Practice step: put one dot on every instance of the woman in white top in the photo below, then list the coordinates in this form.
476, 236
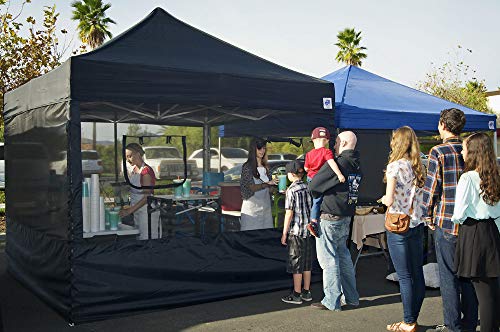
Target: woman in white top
255, 183
405, 178
477, 207
141, 175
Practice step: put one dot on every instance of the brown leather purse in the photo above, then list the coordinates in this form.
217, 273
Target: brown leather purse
398, 223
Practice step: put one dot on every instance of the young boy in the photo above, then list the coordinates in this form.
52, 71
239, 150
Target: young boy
315, 159
298, 204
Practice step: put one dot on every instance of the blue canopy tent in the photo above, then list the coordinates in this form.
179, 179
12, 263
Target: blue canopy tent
372, 106
367, 101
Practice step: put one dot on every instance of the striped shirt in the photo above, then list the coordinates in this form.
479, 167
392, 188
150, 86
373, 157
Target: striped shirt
299, 200
444, 169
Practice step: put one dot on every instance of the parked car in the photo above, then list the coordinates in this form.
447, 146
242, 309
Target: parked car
91, 162
275, 167
230, 157
281, 156
167, 163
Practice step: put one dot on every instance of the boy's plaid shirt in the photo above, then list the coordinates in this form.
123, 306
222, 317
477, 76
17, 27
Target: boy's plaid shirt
299, 200
444, 169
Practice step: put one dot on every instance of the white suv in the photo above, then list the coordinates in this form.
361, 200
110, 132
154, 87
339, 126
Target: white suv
167, 163
91, 162
230, 157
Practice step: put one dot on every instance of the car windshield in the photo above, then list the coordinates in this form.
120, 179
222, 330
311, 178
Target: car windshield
273, 157
157, 153
233, 153
90, 155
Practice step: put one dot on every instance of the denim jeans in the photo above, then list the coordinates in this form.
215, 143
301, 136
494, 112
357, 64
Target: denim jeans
407, 256
452, 287
316, 208
335, 260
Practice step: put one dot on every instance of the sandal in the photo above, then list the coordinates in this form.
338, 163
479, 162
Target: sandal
396, 327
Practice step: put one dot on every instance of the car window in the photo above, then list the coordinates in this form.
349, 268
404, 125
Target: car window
273, 157
232, 153
290, 156
198, 155
158, 153
213, 153
90, 155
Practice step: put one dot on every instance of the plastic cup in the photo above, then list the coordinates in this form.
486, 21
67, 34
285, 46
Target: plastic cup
85, 189
282, 183
178, 189
114, 219
186, 188
107, 221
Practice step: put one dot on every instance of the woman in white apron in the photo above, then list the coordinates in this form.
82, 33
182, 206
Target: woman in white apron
141, 175
255, 183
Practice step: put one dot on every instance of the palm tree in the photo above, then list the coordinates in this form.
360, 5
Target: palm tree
93, 26
93, 29
350, 51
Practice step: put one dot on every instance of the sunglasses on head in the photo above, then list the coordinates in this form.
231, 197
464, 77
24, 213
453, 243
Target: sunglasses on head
260, 145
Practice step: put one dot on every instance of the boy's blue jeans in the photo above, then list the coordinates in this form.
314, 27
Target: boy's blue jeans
452, 287
335, 260
316, 207
407, 256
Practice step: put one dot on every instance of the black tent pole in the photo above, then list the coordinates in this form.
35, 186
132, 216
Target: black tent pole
115, 125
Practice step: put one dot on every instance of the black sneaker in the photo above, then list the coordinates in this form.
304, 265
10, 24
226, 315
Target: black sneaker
292, 299
306, 295
313, 228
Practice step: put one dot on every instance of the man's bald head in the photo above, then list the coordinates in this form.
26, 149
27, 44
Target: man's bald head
346, 140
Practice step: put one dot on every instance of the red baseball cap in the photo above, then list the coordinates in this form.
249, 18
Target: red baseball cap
320, 132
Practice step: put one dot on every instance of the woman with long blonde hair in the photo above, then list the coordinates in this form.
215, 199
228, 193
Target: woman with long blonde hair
405, 178
477, 207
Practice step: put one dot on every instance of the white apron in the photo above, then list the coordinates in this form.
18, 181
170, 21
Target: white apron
141, 215
256, 211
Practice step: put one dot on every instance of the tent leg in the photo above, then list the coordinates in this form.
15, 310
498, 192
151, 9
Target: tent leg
206, 147
220, 154
115, 127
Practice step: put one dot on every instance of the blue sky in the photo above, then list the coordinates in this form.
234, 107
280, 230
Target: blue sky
403, 37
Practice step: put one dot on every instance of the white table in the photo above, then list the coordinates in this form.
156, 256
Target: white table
366, 225
373, 226
122, 230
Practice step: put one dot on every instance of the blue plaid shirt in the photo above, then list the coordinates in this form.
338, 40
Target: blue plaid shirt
444, 169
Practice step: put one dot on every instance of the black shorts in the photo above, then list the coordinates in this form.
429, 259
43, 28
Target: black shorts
300, 254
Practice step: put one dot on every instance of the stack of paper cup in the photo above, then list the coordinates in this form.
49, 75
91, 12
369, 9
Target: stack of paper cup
86, 206
94, 203
102, 214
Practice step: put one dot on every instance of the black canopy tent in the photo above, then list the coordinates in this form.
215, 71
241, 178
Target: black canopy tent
161, 71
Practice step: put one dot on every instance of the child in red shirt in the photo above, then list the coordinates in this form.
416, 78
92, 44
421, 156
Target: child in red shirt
315, 159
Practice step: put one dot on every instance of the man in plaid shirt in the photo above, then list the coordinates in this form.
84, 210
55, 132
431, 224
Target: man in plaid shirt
444, 169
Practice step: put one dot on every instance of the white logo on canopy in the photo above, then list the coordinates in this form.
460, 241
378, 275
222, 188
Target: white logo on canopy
327, 103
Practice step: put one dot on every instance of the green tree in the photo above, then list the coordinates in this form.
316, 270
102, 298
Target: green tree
26, 52
93, 24
455, 81
350, 52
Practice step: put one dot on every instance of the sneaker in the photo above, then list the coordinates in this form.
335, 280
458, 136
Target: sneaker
441, 328
306, 295
343, 303
292, 299
313, 228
